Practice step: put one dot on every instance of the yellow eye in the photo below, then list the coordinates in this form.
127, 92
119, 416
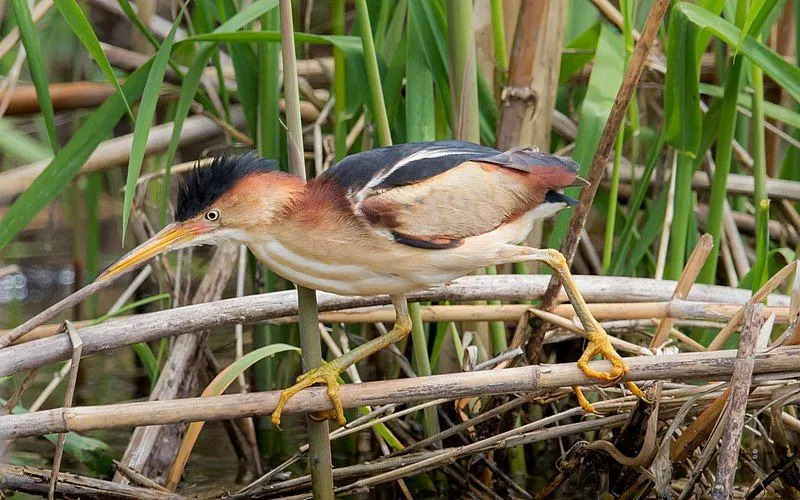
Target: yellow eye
212, 215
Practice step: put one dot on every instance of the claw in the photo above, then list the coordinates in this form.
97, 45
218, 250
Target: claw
602, 345
325, 374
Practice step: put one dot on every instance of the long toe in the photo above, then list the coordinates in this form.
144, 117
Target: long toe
325, 374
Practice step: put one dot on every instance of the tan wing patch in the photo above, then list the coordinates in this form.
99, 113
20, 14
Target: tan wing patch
468, 200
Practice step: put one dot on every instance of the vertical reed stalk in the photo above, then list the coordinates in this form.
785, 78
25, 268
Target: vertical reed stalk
628, 8
319, 457
760, 200
463, 77
420, 126
727, 128
499, 39
268, 143
760, 272
373, 75
339, 81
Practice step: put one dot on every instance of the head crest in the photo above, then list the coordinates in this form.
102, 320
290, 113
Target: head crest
201, 187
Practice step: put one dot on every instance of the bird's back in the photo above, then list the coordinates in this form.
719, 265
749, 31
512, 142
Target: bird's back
435, 194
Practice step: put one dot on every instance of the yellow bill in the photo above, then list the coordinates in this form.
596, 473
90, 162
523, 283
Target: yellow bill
173, 236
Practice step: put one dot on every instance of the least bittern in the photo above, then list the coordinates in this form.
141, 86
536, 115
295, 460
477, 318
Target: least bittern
386, 221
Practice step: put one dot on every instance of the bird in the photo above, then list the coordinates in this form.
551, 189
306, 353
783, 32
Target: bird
390, 221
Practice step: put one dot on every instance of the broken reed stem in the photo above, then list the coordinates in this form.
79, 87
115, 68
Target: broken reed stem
615, 117
693, 266
35, 480
740, 391
77, 347
319, 457
685, 366
759, 296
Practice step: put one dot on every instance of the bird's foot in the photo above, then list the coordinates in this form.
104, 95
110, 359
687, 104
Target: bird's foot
600, 343
327, 374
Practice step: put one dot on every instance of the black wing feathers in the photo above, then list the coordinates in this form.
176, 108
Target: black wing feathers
378, 168
424, 160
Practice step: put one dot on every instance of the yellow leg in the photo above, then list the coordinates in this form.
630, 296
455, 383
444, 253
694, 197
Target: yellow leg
328, 373
599, 342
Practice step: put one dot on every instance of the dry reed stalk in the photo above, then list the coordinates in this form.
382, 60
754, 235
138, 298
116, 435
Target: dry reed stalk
124, 331
65, 96
740, 391
711, 365
759, 296
688, 276
11, 39
675, 309
610, 131
159, 25
77, 347
746, 223
34, 480
115, 151
138, 479
737, 184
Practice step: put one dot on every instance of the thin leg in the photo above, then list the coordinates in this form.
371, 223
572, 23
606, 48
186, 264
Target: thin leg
599, 342
328, 373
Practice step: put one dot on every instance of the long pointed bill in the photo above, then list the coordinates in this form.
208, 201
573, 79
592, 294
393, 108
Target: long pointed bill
173, 236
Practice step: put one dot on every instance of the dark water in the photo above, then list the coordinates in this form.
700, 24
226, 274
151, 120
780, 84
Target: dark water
119, 377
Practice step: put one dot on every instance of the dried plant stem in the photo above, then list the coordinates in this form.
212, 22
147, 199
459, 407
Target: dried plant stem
618, 110
124, 331
35, 480
693, 266
675, 309
768, 287
113, 152
684, 366
665, 232
740, 391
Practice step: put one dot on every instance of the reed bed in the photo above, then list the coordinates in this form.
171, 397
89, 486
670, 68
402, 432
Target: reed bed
683, 116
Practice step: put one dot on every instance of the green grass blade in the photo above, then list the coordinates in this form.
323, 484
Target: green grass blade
245, 67
724, 150
653, 225
339, 81
760, 269
71, 157
36, 65
604, 83
378, 106
77, 21
784, 73
21, 146
148, 359
350, 44
137, 21
147, 110
192, 79
215, 388
684, 125
579, 52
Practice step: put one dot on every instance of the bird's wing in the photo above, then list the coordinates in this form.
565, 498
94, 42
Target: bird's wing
435, 194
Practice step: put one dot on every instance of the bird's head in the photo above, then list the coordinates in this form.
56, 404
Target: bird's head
229, 200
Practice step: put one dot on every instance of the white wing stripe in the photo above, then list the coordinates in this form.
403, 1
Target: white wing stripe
422, 154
